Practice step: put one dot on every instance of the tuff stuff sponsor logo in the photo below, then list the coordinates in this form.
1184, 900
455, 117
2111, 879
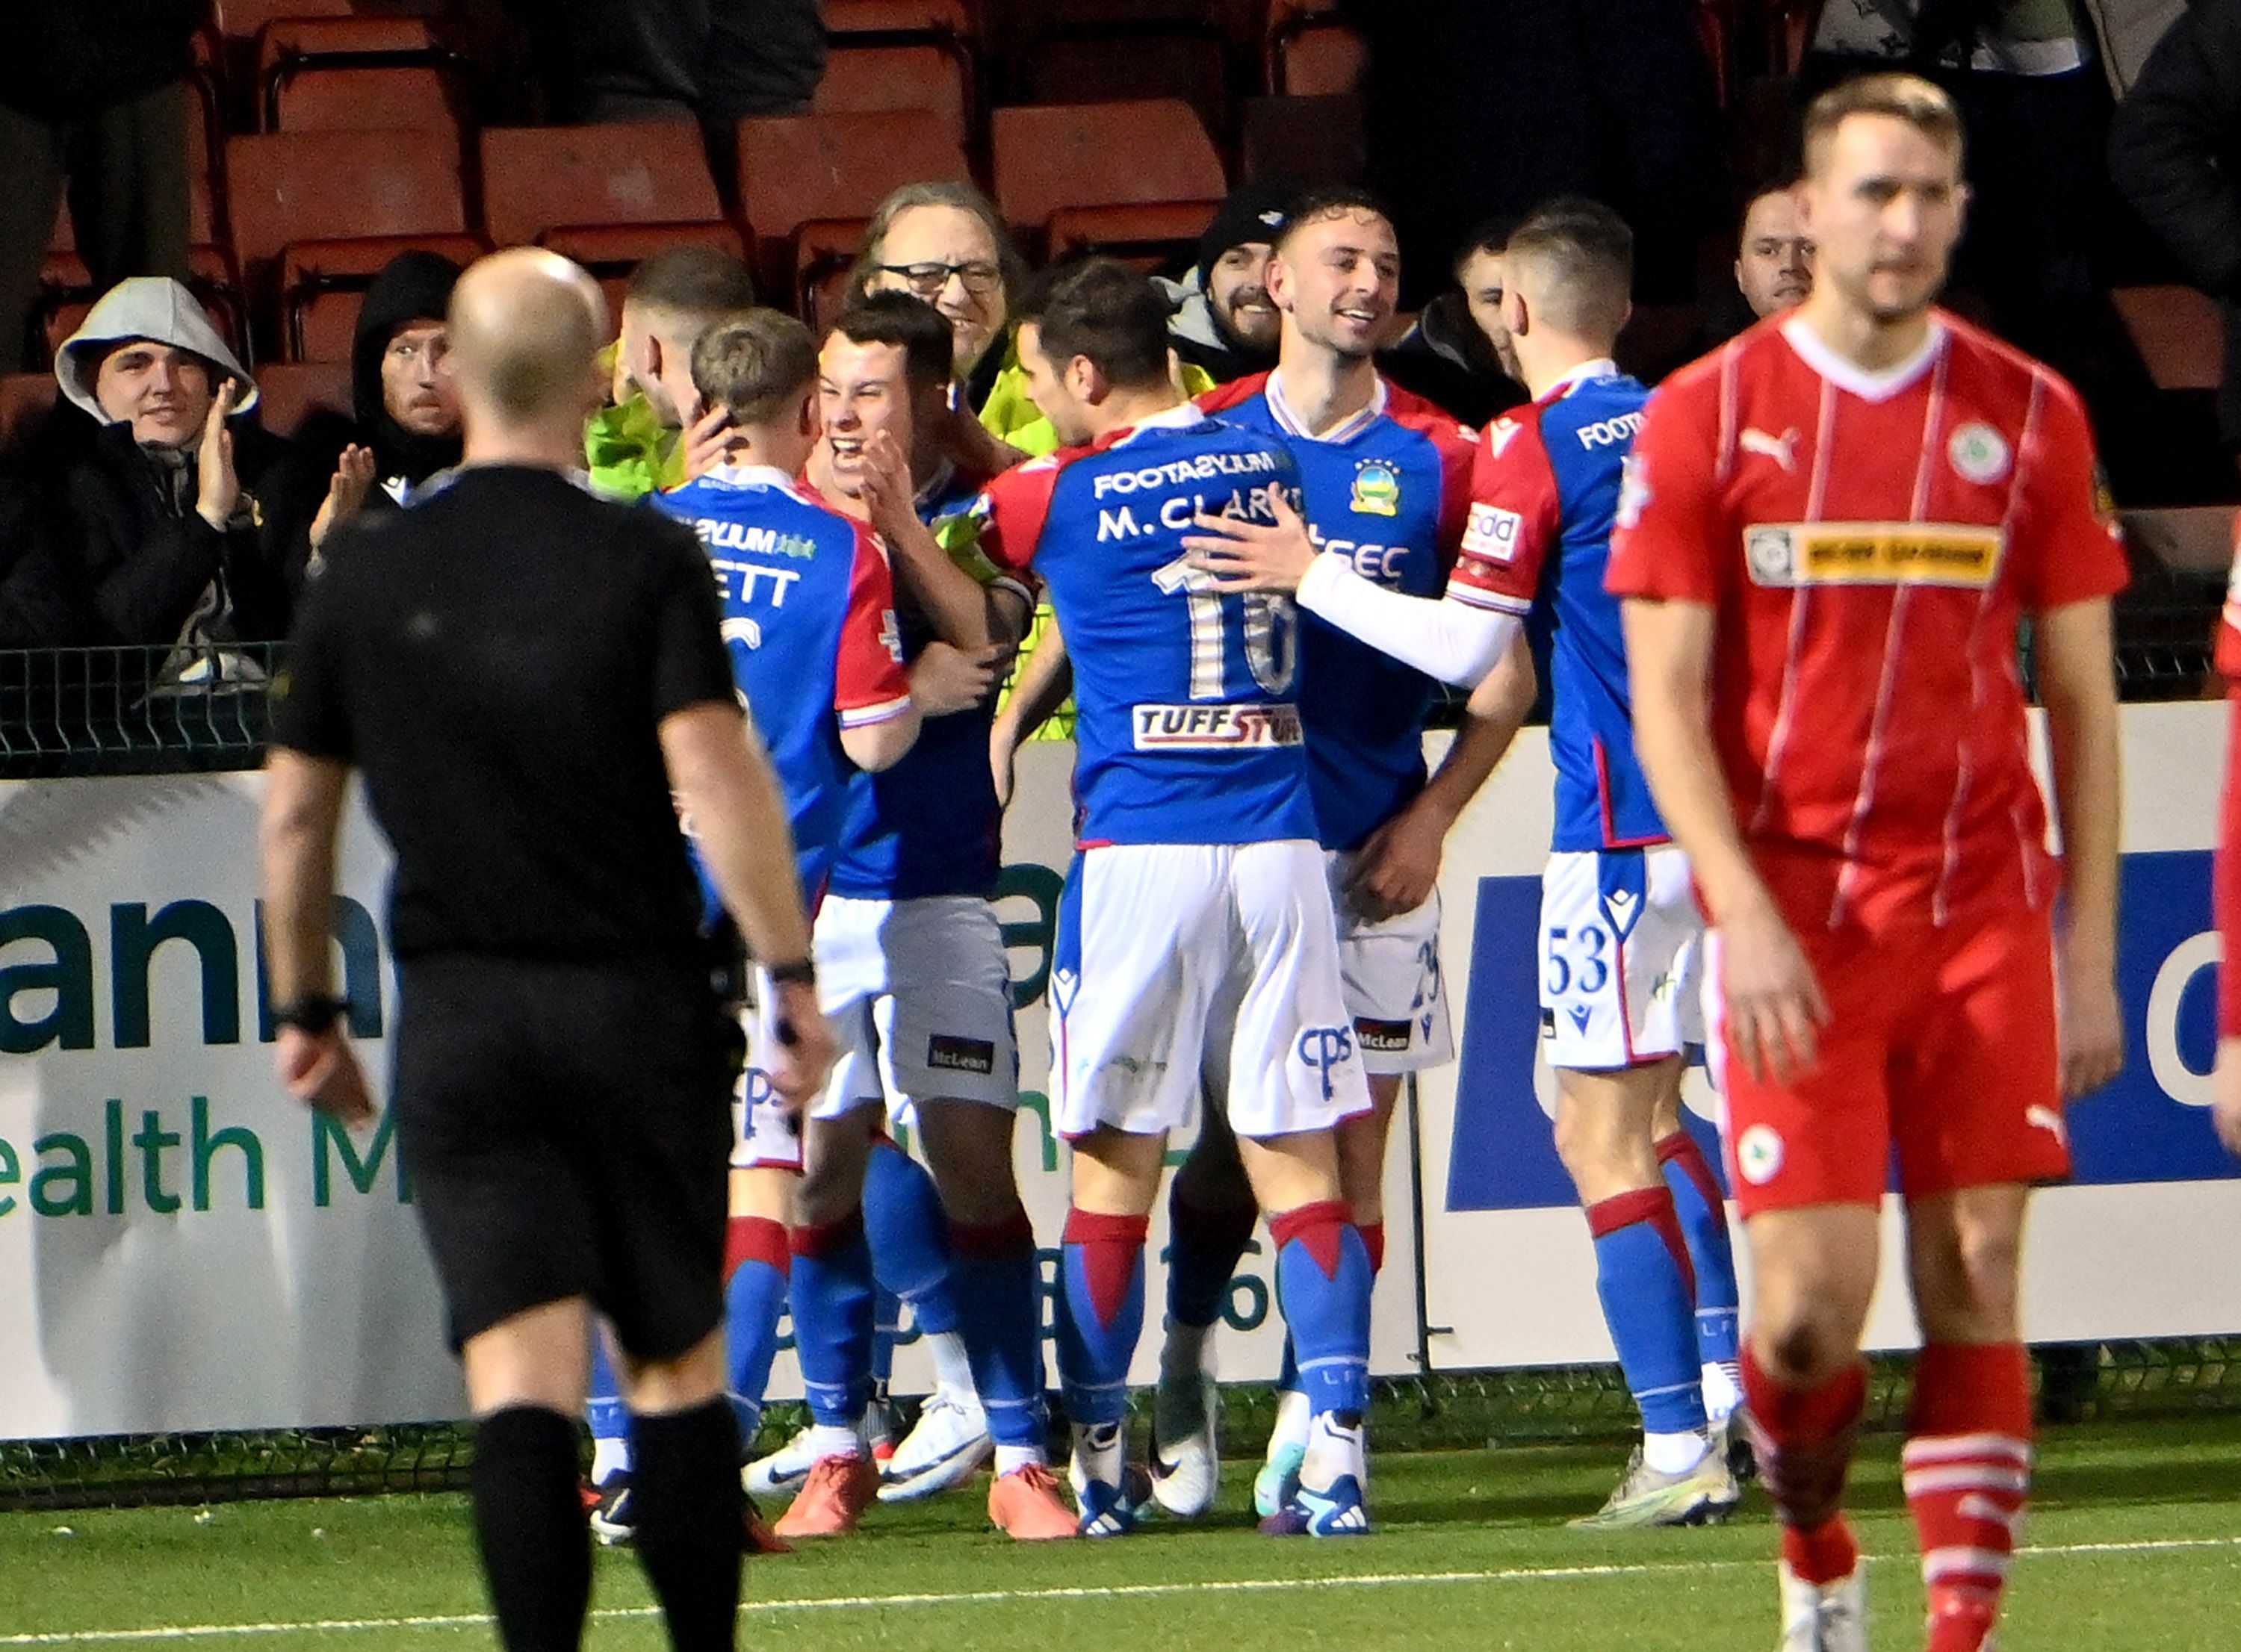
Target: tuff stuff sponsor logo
949, 1054
1215, 728
1959, 556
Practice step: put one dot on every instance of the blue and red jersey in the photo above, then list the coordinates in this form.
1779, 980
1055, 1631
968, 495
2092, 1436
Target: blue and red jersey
809, 618
1544, 498
930, 825
1388, 489
1190, 728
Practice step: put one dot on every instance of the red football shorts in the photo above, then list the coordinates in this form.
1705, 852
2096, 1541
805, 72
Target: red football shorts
1941, 1043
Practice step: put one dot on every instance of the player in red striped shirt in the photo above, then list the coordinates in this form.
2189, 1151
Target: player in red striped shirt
1832, 531
2226, 889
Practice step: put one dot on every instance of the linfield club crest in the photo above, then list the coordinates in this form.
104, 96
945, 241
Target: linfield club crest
1376, 488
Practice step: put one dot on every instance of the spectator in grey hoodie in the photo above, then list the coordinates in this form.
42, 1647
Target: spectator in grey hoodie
161, 508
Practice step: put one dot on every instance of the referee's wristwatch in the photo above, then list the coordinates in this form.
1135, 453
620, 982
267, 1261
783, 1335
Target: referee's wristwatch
797, 972
313, 1013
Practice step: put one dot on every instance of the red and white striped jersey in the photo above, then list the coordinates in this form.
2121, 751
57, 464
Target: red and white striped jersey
1870, 541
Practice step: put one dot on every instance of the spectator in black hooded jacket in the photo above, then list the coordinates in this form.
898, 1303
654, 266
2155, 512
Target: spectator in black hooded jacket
407, 422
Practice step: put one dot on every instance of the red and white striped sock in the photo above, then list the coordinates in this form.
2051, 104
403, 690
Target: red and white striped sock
1967, 1472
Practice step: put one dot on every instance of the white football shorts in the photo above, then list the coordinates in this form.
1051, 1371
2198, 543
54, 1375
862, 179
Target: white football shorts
1622, 958
1177, 959
919, 994
1389, 970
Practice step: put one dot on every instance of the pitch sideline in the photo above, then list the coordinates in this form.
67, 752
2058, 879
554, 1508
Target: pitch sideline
975, 1598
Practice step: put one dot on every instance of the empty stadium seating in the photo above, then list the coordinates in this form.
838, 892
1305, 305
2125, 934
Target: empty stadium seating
1086, 160
2180, 334
890, 55
612, 252
809, 181
358, 74
321, 283
537, 178
1307, 48
288, 392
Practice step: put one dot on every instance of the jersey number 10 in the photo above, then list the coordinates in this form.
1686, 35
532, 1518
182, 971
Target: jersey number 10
1272, 651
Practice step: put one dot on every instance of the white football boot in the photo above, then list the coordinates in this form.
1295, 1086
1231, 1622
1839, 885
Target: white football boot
1825, 1617
950, 1442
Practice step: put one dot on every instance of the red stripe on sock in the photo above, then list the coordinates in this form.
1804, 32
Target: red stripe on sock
1320, 1227
755, 1239
1109, 1246
823, 1239
1654, 1206
1679, 1148
990, 1240
1373, 1240
1966, 1474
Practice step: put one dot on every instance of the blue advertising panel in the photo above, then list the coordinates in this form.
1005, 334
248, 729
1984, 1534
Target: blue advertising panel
2151, 1124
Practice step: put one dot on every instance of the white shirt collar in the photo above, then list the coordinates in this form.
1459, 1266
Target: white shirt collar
1873, 386
750, 475
1293, 424
1181, 417
1600, 367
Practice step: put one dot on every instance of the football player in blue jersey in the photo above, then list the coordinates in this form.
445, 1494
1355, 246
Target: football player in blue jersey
1196, 941
913, 966
1620, 934
1385, 480
809, 615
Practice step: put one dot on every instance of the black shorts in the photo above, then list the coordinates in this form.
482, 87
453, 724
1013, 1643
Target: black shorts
568, 1129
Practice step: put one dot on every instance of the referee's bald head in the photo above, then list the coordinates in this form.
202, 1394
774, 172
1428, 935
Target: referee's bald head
524, 326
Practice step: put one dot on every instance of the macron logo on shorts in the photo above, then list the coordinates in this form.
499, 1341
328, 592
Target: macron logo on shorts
1325, 1048
947, 1054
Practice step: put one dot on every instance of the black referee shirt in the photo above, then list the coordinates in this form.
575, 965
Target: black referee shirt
496, 661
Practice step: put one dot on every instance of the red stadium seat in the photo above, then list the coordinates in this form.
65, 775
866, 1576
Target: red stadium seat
322, 282
1313, 140
25, 399
240, 22
612, 252
1124, 59
809, 181
1053, 156
2179, 332
1309, 49
888, 55
328, 186
358, 74
289, 392
1159, 239
537, 178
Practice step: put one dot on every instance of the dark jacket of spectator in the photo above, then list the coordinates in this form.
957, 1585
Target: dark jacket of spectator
42, 599
413, 286
65, 56
2175, 154
158, 572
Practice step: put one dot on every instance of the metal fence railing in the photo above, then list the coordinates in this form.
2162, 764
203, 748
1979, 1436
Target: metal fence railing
133, 711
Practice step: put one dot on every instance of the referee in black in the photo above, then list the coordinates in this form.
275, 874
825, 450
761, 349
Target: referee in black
526, 674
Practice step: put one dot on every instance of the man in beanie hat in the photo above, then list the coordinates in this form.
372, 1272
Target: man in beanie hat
1225, 325
172, 541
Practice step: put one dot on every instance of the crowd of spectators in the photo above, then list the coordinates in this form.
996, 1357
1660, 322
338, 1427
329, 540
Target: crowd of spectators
151, 509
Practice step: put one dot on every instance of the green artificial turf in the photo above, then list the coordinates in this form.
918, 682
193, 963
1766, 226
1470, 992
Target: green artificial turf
2135, 1534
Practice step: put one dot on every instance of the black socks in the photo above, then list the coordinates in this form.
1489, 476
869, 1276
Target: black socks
529, 1523
691, 1519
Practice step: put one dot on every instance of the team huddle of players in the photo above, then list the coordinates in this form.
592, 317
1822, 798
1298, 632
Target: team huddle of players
1776, 604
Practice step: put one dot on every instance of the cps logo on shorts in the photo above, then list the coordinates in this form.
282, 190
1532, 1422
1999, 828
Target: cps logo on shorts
1325, 1048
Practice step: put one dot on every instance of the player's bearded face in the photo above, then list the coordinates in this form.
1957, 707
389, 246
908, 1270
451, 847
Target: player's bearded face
1883, 209
1339, 278
861, 390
